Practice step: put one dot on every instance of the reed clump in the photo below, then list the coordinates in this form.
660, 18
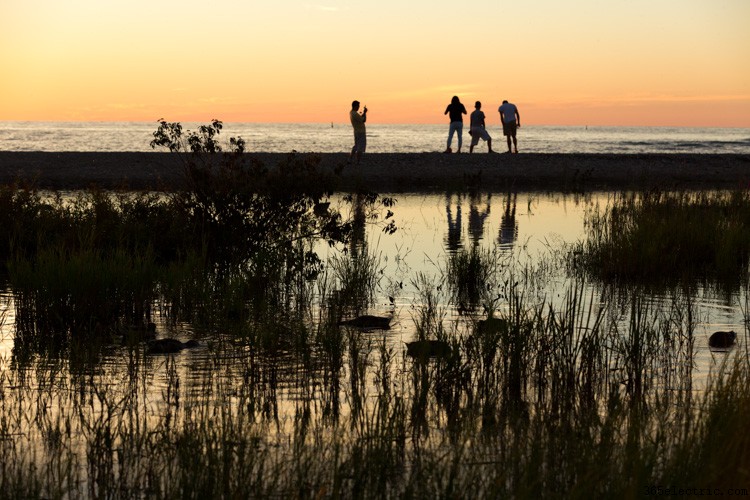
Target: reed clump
357, 278
666, 237
472, 276
91, 220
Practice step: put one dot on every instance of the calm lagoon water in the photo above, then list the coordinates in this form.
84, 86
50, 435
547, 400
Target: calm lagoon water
526, 231
59, 400
382, 138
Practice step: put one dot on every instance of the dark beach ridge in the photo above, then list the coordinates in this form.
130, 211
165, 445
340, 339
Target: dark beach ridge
404, 172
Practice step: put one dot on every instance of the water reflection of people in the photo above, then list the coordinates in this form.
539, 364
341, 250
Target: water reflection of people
453, 239
358, 244
477, 217
508, 226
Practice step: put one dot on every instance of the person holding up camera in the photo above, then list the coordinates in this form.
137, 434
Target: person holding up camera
360, 134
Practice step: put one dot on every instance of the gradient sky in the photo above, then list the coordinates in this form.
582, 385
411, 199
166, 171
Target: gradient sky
578, 62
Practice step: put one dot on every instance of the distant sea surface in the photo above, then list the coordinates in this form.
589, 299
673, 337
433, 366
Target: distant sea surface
337, 137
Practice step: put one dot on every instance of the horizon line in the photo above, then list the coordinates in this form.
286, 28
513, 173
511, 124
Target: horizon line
342, 122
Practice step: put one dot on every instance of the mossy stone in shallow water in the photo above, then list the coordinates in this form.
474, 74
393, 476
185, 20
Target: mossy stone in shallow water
722, 340
423, 349
491, 325
367, 321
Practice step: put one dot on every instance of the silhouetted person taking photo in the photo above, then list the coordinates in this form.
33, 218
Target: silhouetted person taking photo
360, 133
455, 110
511, 120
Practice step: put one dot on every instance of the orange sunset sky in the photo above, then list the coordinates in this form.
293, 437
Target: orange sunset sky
593, 62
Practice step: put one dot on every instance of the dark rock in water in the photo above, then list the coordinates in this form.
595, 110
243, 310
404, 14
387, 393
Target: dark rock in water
321, 209
428, 349
169, 346
722, 340
367, 321
491, 325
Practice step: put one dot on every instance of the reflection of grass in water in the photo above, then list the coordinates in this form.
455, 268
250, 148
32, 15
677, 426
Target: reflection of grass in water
664, 237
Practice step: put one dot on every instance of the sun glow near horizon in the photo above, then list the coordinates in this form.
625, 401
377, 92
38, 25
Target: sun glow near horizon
669, 62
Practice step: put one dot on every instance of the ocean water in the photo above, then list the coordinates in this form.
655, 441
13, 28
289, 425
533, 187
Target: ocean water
337, 137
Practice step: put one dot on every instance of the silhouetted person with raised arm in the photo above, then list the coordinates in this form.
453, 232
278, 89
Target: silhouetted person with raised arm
511, 121
360, 133
478, 130
455, 110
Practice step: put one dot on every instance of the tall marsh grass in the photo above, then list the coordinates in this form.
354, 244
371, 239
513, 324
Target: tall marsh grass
664, 237
92, 220
549, 401
472, 274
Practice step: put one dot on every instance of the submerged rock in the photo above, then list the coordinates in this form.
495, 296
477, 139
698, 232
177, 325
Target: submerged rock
321, 209
169, 346
722, 340
423, 349
491, 325
367, 321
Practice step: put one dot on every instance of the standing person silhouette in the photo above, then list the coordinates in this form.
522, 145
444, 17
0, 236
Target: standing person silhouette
360, 133
511, 121
478, 130
456, 109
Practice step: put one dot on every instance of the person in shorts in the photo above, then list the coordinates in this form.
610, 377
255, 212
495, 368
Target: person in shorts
478, 130
360, 133
511, 121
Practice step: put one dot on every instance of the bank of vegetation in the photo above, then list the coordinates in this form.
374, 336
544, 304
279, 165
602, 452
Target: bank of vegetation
668, 237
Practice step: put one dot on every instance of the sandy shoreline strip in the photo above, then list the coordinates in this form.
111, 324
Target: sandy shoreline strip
405, 172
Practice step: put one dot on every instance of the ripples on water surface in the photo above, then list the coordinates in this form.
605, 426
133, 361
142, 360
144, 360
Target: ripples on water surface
337, 137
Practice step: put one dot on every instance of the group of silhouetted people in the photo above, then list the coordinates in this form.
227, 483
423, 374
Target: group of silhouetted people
509, 118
